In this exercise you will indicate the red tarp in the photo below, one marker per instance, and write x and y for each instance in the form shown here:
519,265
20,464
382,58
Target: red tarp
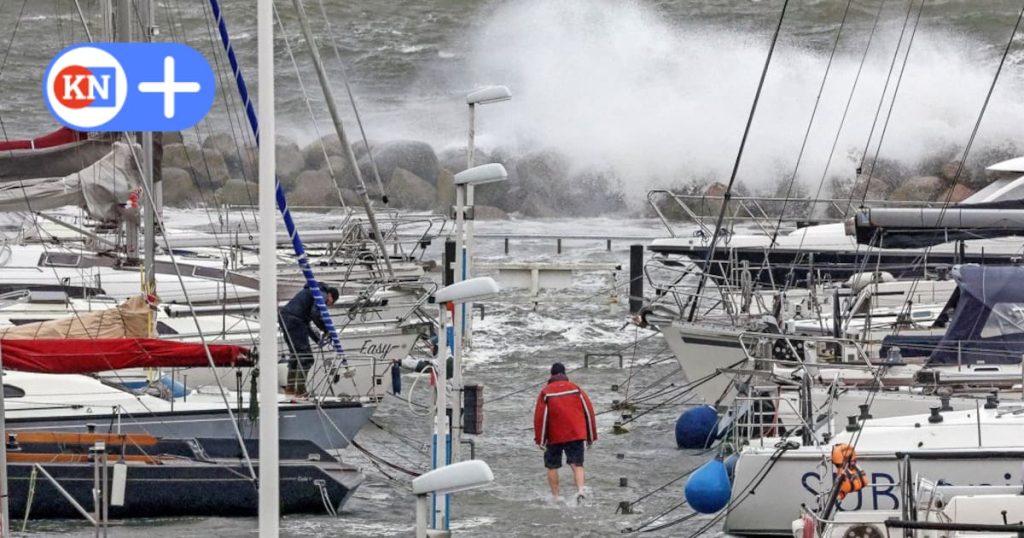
61,136
82,356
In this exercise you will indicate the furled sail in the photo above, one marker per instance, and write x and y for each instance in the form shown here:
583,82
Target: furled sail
82,356
102,188
130,319
54,154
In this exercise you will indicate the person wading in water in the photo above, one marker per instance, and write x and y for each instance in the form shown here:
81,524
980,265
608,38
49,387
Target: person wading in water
563,421
296,317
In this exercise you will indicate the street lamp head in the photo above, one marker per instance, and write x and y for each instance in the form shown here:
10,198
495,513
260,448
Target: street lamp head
467,290
486,96
478,175
453,478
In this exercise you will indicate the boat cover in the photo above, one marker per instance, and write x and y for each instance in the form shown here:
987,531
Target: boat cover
988,324
130,319
82,356
58,153
102,188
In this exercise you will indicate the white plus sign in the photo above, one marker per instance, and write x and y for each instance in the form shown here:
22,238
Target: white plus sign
169,87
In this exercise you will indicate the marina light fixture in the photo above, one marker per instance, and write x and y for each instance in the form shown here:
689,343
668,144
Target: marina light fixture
453,478
478,175
467,290
485,96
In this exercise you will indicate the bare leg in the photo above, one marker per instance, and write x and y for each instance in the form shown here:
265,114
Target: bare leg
579,476
553,481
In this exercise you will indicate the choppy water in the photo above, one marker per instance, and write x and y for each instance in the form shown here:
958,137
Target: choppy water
515,345
655,90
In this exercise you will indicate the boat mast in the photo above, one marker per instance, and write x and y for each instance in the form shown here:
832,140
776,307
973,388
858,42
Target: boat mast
149,222
709,257
269,505
346,148
5,525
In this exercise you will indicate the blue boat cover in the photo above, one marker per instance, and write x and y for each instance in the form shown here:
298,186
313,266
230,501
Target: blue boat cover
988,324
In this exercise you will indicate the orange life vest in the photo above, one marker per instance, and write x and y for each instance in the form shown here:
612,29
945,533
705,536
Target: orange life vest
851,478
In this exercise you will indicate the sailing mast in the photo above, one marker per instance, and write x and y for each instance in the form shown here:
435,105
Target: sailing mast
269,506
346,147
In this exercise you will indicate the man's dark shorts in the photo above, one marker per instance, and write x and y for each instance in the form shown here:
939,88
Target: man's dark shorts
573,454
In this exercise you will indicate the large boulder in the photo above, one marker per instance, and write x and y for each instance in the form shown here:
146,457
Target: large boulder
408,190
313,153
917,188
289,159
445,191
173,137
179,189
207,166
960,192
238,192
241,159
413,156
313,188
487,212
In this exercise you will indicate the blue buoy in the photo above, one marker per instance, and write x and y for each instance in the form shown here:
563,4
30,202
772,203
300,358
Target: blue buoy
708,489
730,465
177,389
696,427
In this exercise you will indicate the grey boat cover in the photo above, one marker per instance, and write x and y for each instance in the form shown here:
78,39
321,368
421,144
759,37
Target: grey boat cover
102,188
988,324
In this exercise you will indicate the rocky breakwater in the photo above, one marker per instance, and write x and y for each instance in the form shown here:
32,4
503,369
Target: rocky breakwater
222,170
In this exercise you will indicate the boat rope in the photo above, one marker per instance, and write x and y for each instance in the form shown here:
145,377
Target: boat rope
810,123
892,102
7,53
309,106
352,101
736,166
282,202
32,477
325,496
905,312
646,526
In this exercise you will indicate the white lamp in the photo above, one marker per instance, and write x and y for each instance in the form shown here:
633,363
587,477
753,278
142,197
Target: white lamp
467,290
452,478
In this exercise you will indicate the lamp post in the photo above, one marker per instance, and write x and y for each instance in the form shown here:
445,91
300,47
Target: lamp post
445,480
456,294
484,96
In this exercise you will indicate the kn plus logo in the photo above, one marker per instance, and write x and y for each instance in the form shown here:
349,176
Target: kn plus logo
129,87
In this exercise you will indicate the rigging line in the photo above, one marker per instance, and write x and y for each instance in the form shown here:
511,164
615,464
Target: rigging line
309,106
810,122
352,100
970,141
3,64
735,169
892,102
148,192
881,101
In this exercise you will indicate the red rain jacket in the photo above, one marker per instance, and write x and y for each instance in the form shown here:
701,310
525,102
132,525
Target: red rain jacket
563,414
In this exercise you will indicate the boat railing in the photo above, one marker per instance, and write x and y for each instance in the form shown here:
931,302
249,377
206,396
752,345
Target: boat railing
767,416
761,212
807,351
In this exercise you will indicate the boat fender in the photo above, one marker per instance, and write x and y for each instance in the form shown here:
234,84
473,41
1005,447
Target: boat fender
176,389
119,484
396,377
708,488
730,465
696,427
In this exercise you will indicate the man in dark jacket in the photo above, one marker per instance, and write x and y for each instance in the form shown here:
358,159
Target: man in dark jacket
562,421
295,319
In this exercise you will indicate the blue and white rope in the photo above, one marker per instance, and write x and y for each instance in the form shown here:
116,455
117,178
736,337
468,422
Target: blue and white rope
282,202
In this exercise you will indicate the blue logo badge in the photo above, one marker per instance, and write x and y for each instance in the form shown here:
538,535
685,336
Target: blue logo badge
129,87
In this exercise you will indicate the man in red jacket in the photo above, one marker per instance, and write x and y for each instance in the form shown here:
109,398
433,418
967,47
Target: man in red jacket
562,421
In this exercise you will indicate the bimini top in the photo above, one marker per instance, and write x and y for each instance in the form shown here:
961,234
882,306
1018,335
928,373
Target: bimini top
988,324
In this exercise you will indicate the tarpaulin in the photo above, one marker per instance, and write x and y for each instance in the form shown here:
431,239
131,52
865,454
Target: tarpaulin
82,356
